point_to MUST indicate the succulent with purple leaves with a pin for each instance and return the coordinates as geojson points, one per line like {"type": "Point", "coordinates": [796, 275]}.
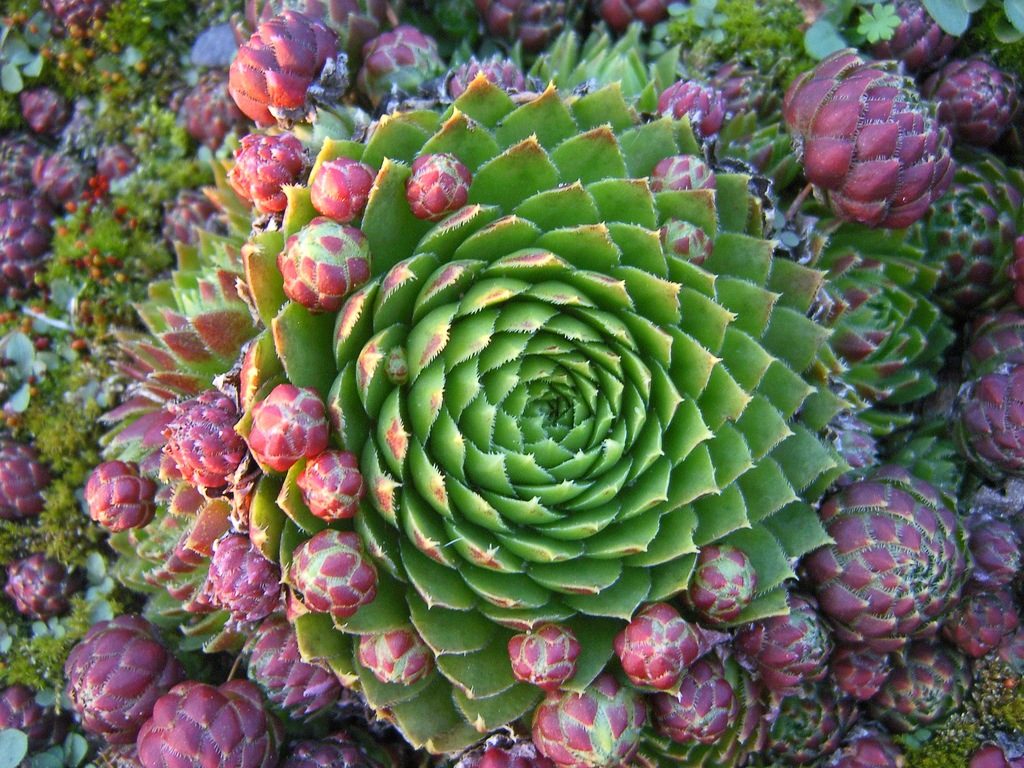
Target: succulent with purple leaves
{"type": "Point", "coordinates": [504, 73]}
{"type": "Point", "coordinates": [869, 144]}
{"type": "Point", "coordinates": [209, 112]}
{"type": "Point", "coordinates": [23, 480]}
{"type": "Point", "coordinates": [975, 99]}
{"type": "Point", "coordinates": [979, 622]}
{"type": "Point", "coordinates": [243, 580]}
{"type": "Point", "coordinates": [811, 724]}
{"type": "Point", "coordinates": [398, 656]}
{"type": "Point", "coordinates": [724, 583]}
{"type": "Point", "coordinates": [41, 587]}
{"type": "Point", "coordinates": [619, 14]}
{"type": "Point", "coordinates": [44, 110]}
{"type": "Point", "coordinates": [115, 675]}
{"type": "Point", "coordinates": [929, 680]}
{"type": "Point", "coordinates": [263, 166]}
{"type": "Point", "coordinates": [25, 234]}
{"type": "Point", "coordinates": [530, 22]}
{"type": "Point", "coordinates": [59, 178]}
{"type": "Point", "coordinates": [990, 423]}
{"type": "Point", "coordinates": [658, 645]}
{"type": "Point", "coordinates": [867, 748]}
{"type": "Point", "coordinates": [20, 711]}
{"type": "Point", "coordinates": [202, 443]}
{"type": "Point", "coordinates": [703, 105]}
{"type": "Point", "coordinates": [898, 562]}
{"type": "Point", "coordinates": [119, 497]}
{"type": "Point", "coordinates": [545, 656]}
{"type": "Point", "coordinates": [703, 708]}
{"type": "Point", "coordinates": [400, 60]}
{"type": "Point", "coordinates": [996, 550]}
{"type": "Point", "coordinates": [859, 672]}
{"type": "Point", "coordinates": [918, 42]}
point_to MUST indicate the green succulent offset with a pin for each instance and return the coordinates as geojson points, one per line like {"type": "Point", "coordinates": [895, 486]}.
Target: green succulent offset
{"type": "Point", "coordinates": [581, 412]}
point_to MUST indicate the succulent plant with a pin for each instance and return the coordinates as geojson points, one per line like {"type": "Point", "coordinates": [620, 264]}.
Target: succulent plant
{"type": "Point", "coordinates": [202, 443]}
{"type": "Point", "coordinates": [866, 748]}
{"type": "Point", "coordinates": [682, 172]}
{"type": "Point", "coordinates": [44, 110]}
{"type": "Point", "coordinates": [703, 105]}
{"type": "Point", "coordinates": [199, 724]}
{"type": "Point", "coordinates": [288, 425]}
{"type": "Point", "coordinates": [996, 551]}
{"type": "Point", "coordinates": [23, 480]}
{"type": "Point", "coordinates": [263, 166]}
{"type": "Point", "coordinates": [897, 564]}
{"type": "Point", "coordinates": [24, 240]}
{"type": "Point", "coordinates": [190, 212]}
{"type": "Point", "coordinates": [504, 73]}
{"type": "Point", "coordinates": [975, 99]}
{"type": "Point", "coordinates": [119, 497]}
{"type": "Point", "coordinates": [990, 427]}
{"type": "Point", "coordinates": [686, 240]}
{"type": "Point", "coordinates": [990, 756]}
{"type": "Point", "coordinates": [787, 651]}
{"type": "Point", "coordinates": [209, 112]}
{"type": "Point", "coordinates": [882, 164]}
{"type": "Point", "coordinates": [530, 22]}
{"type": "Point", "coordinates": [889, 335]}
{"type": "Point", "coordinates": [322, 264]}
{"type": "Point", "coordinates": [439, 185]}
{"type": "Point", "coordinates": [40, 587]}
{"type": "Point", "coordinates": [856, 443]}
{"type": "Point", "coordinates": [928, 681]}
{"type": "Point", "coordinates": [243, 580]}
{"type": "Point", "coordinates": [918, 42]}
{"type": "Point", "coordinates": [996, 342]}
{"type": "Point", "coordinates": [658, 645]}
{"type": "Point", "coordinates": [545, 656]}
{"type": "Point", "coordinates": [1011, 651]}
{"type": "Point", "coordinates": [597, 727]}
{"type": "Point", "coordinates": [115, 161]}
{"type": "Point", "coordinates": [619, 14]}
{"type": "Point", "coordinates": [439, 526]}
{"type": "Point", "coordinates": [300, 687]}
{"type": "Point", "coordinates": [979, 622]}
{"type": "Point", "coordinates": [859, 672]}
{"type": "Point", "coordinates": [289, 59]}
{"type": "Point", "coordinates": [332, 485]}
{"type": "Point", "coordinates": [18, 152]}
{"type": "Point", "coordinates": [810, 725]}
{"type": "Point", "coordinates": [339, 750]}
{"type": "Point", "coordinates": [929, 453]}
{"type": "Point", "coordinates": [969, 234]}
{"type": "Point", "coordinates": [724, 583]}
{"type": "Point", "coordinates": [115, 675]}
{"type": "Point", "coordinates": [396, 657]}
{"type": "Point", "coordinates": [20, 710]}
{"type": "Point", "coordinates": [59, 178]}
{"type": "Point", "coordinates": [703, 708]}
{"type": "Point", "coordinates": [400, 60]}
{"type": "Point", "coordinates": [77, 13]}
{"type": "Point", "coordinates": [342, 189]}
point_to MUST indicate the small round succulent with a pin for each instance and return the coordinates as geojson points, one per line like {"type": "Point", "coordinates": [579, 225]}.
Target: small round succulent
{"type": "Point", "coordinates": [545, 656]}
{"type": "Point", "coordinates": [856, 443]}
{"type": "Point", "coordinates": [273, 74]}
{"type": "Point", "coordinates": [897, 564]}
{"type": "Point", "coordinates": [20, 710]}
{"type": "Point", "coordinates": [40, 587]}
{"type": "Point", "coordinates": [686, 239]}
{"type": "Point", "coordinates": [59, 178]}
{"type": "Point", "coordinates": [504, 73]}
{"type": "Point", "coordinates": [918, 42]}
{"type": "Point", "coordinates": [682, 172]}
{"type": "Point", "coordinates": [996, 550]}
{"type": "Point", "coordinates": [119, 497]}
{"type": "Point", "coordinates": [990, 756]}
{"type": "Point", "coordinates": [189, 213]}
{"type": "Point", "coordinates": [703, 105]}
{"type": "Point", "coordinates": [976, 100]}
{"type": "Point", "coordinates": [810, 725]}
{"type": "Point", "coordinates": [18, 152]}
{"type": "Point", "coordinates": [658, 645]}
{"type": "Point", "coordinates": [263, 166]}
{"type": "Point", "coordinates": [619, 14]}
{"type": "Point", "coordinates": [859, 672]}
{"type": "Point", "coordinates": [23, 478]}
{"type": "Point", "coordinates": [787, 651]}
{"type": "Point", "coordinates": [882, 163]}
{"type": "Point", "coordinates": [397, 656]}
{"type": "Point", "coordinates": [243, 580]}
{"type": "Point", "coordinates": [290, 424]}
{"type": "Point", "coordinates": [301, 687]}
{"type": "Point", "coordinates": [703, 708]}
{"type": "Point", "coordinates": [997, 342]}
{"type": "Point", "coordinates": [530, 22]}
{"type": "Point", "coordinates": [338, 750]}
{"type": "Point", "coordinates": [115, 675]}
{"type": "Point", "coordinates": [341, 188]}
{"type": "Point", "coordinates": [867, 748]}
{"type": "Point", "coordinates": [332, 574]}
{"type": "Point", "coordinates": [598, 727]}
{"type": "Point", "coordinates": [25, 235]}
{"type": "Point", "coordinates": [438, 186]}
{"type": "Point", "coordinates": [332, 485]}
{"type": "Point", "coordinates": [402, 59]}
{"type": "Point", "coordinates": [990, 427]}
{"type": "Point", "coordinates": [723, 584]}
{"type": "Point", "coordinates": [979, 622]}
{"type": "Point", "coordinates": [202, 441]}
{"type": "Point", "coordinates": [323, 263]}
{"type": "Point", "coordinates": [199, 724]}
{"type": "Point", "coordinates": [209, 112]}
{"type": "Point", "coordinates": [929, 680]}
{"type": "Point", "coordinates": [45, 110]}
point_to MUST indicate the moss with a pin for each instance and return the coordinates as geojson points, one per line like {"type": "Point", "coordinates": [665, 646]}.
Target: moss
{"type": "Point", "coordinates": [982, 38]}
{"type": "Point", "coordinates": [767, 36]}
{"type": "Point", "coordinates": [943, 752]}
{"type": "Point", "coordinates": [10, 113]}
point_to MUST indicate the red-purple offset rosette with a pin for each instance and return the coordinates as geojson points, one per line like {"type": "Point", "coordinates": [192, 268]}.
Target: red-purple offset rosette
{"type": "Point", "coordinates": [702, 710]}
{"type": "Point", "coordinates": [202, 441]}
{"type": "Point", "coordinates": [243, 580]}
{"type": "Point", "coordinates": [119, 497]}
{"type": "Point", "coordinates": [990, 427]}
{"type": "Point", "coordinates": [504, 73]}
{"type": "Point", "coordinates": [341, 189]}
{"type": "Point", "coordinates": [332, 485]}
{"type": "Point", "coordinates": [918, 41]}
{"type": "Point", "coordinates": [290, 424]}
{"type": "Point", "coordinates": [332, 573]}
{"type": "Point", "coordinates": [723, 584]}
{"type": "Point", "coordinates": [288, 59]}
{"type": "Point", "coordinates": [23, 478]}
{"type": "Point", "coordinates": [703, 105]}
{"type": "Point", "coordinates": [25, 235]}
{"type": "Point", "coordinates": [438, 186]}
{"type": "Point", "coordinates": [544, 656]}
{"type": "Point", "coordinates": [619, 14]}
{"type": "Point", "coordinates": [40, 587]}
{"type": "Point", "coordinates": [980, 621]}
{"type": "Point", "coordinates": [265, 164]}
{"type": "Point", "coordinates": [397, 656]}
{"type": "Point", "coordinates": [323, 263]}
{"type": "Point", "coordinates": [928, 682]}
{"type": "Point", "coordinates": [869, 143]}
{"type": "Point", "coordinates": [976, 100]}
{"type": "Point", "coordinates": [115, 676]}
{"type": "Point", "coordinates": [658, 645]}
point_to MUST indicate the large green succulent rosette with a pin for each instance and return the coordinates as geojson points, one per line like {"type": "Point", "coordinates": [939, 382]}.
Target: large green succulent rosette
{"type": "Point", "coordinates": [581, 411]}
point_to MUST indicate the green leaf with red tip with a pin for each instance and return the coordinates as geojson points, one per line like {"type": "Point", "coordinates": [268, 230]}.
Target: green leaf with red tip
{"type": "Point", "coordinates": [544, 120]}
{"type": "Point", "coordinates": [388, 223]}
{"type": "Point", "coordinates": [521, 171]}
{"type": "Point", "coordinates": [304, 343]}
